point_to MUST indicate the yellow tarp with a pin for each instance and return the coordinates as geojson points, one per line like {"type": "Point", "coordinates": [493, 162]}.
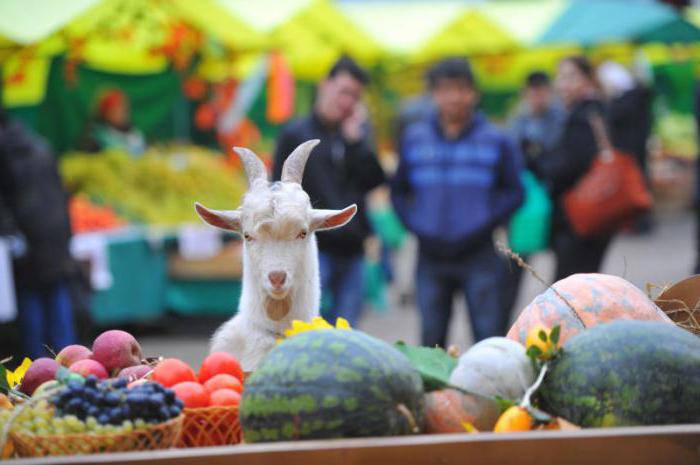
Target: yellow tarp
{"type": "Point", "coordinates": [471, 33]}
{"type": "Point", "coordinates": [401, 28]}
{"type": "Point", "coordinates": [24, 80]}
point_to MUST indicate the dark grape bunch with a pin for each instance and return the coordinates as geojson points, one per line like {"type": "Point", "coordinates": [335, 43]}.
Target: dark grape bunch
{"type": "Point", "coordinates": [112, 403]}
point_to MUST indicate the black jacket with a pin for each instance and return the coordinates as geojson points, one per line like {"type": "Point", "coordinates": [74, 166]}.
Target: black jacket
{"type": "Point", "coordinates": [33, 203]}
{"type": "Point", "coordinates": [629, 116]}
{"type": "Point", "coordinates": [562, 167]}
{"type": "Point", "coordinates": [337, 175]}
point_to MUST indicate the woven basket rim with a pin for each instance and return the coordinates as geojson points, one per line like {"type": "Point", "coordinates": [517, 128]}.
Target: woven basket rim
{"type": "Point", "coordinates": [210, 408]}
{"type": "Point", "coordinates": [77, 436]}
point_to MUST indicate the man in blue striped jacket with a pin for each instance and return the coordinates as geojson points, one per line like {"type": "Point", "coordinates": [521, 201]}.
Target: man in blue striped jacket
{"type": "Point", "coordinates": [457, 180]}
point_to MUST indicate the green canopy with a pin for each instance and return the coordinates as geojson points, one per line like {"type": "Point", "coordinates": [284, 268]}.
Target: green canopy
{"type": "Point", "coordinates": [592, 22]}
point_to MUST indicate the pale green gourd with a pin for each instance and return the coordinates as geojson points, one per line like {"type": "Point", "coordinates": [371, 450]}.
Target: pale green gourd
{"type": "Point", "coordinates": [496, 366]}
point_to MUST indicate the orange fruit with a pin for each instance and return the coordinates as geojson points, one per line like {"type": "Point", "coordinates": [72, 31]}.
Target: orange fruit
{"type": "Point", "coordinates": [192, 394]}
{"type": "Point", "coordinates": [223, 381]}
{"type": "Point", "coordinates": [172, 371]}
{"type": "Point", "coordinates": [225, 397]}
{"type": "Point", "coordinates": [218, 363]}
{"type": "Point", "coordinates": [514, 419]}
{"type": "Point", "coordinates": [5, 401]}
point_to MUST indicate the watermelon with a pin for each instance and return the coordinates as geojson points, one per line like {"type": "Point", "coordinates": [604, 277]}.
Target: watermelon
{"type": "Point", "coordinates": [332, 384]}
{"type": "Point", "coordinates": [626, 373]}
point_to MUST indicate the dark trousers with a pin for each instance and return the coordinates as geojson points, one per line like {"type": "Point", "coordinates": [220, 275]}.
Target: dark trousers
{"type": "Point", "coordinates": [342, 282]}
{"type": "Point", "coordinates": [479, 276]}
{"type": "Point", "coordinates": [45, 317]}
{"type": "Point", "coordinates": [578, 255]}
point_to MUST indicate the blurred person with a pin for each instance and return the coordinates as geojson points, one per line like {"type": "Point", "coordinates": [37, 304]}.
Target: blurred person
{"type": "Point", "coordinates": [629, 118]}
{"type": "Point", "coordinates": [458, 178]}
{"type": "Point", "coordinates": [536, 126]}
{"type": "Point", "coordinates": [35, 209]}
{"type": "Point", "coordinates": [535, 129]}
{"type": "Point", "coordinates": [111, 128]}
{"type": "Point", "coordinates": [411, 110]}
{"type": "Point", "coordinates": [342, 170]}
{"type": "Point", "coordinates": [570, 159]}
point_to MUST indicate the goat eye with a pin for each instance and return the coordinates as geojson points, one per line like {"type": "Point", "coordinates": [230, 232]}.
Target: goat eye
{"type": "Point", "coordinates": [247, 237]}
{"type": "Point", "coordinates": [301, 235]}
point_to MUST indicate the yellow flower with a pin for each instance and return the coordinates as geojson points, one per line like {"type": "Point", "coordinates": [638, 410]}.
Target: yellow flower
{"type": "Point", "coordinates": [317, 323]}
{"type": "Point", "coordinates": [15, 377]}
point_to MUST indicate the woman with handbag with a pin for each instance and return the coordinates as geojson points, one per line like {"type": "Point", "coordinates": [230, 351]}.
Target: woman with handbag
{"type": "Point", "coordinates": [572, 157]}
{"type": "Point", "coordinates": [596, 188]}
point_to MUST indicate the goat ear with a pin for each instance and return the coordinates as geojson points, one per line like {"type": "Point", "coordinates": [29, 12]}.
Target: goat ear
{"type": "Point", "coordinates": [229, 220]}
{"type": "Point", "coordinates": [322, 220]}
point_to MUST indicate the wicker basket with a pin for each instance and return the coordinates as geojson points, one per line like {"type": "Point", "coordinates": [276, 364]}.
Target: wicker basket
{"type": "Point", "coordinates": [210, 426]}
{"type": "Point", "coordinates": [160, 436]}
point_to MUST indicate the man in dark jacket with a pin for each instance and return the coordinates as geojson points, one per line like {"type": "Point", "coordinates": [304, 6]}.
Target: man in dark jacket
{"type": "Point", "coordinates": [35, 205]}
{"type": "Point", "coordinates": [342, 170]}
{"type": "Point", "coordinates": [458, 178]}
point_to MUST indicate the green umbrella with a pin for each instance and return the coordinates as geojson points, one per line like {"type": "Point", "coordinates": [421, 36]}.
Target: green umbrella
{"type": "Point", "coordinates": [592, 22]}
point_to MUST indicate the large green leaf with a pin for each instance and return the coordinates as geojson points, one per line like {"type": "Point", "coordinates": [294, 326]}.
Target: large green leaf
{"type": "Point", "coordinates": [433, 364]}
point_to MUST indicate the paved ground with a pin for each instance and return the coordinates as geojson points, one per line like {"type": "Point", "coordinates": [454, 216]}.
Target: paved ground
{"type": "Point", "coordinates": [665, 256]}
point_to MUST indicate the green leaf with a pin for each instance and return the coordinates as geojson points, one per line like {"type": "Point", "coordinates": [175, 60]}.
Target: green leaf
{"type": "Point", "coordinates": [4, 385]}
{"type": "Point", "coordinates": [554, 335]}
{"type": "Point", "coordinates": [433, 365]}
{"type": "Point", "coordinates": [542, 335]}
{"type": "Point", "coordinates": [504, 404]}
{"type": "Point", "coordinates": [533, 352]}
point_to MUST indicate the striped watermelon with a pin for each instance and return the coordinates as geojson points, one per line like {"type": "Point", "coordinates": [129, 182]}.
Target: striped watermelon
{"type": "Point", "coordinates": [332, 384]}
{"type": "Point", "coordinates": [626, 373]}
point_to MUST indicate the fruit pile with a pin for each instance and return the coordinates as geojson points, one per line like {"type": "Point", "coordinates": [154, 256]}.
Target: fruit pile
{"type": "Point", "coordinates": [159, 187]}
{"type": "Point", "coordinates": [219, 382]}
{"type": "Point", "coordinates": [113, 403]}
{"type": "Point", "coordinates": [85, 216]}
{"type": "Point", "coordinates": [96, 407]}
{"type": "Point", "coordinates": [114, 353]}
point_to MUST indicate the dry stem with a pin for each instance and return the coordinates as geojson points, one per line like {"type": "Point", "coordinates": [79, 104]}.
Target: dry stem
{"type": "Point", "coordinates": [522, 264]}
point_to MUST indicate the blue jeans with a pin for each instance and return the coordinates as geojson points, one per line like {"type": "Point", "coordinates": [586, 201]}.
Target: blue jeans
{"type": "Point", "coordinates": [480, 276]}
{"type": "Point", "coordinates": [45, 317]}
{"type": "Point", "coordinates": [342, 286]}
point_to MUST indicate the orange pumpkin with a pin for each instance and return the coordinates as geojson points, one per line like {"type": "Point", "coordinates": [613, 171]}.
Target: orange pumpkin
{"type": "Point", "coordinates": [447, 410]}
{"type": "Point", "coordinates": [596, 298]}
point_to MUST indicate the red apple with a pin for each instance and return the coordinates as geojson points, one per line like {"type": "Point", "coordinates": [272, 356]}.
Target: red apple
{"type": "Point", "coordinates": [116, 349]}
{"type": "Point", "coordinates": [89, 367]}
{"type": "Point", "coordinates": [135, 372]}
{"type": "Point", "coordinates": [73, 353]}
{"type": "Point", "coordinates": [41, 370]}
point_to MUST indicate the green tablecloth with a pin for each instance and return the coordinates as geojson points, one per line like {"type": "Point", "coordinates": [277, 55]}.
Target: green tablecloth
{"type": "Point", "coordinates": [142, 291]}
{"type": "Point", "coordinates": [139, 278]}
{"type": "Point", "coordinates": [208, 297]}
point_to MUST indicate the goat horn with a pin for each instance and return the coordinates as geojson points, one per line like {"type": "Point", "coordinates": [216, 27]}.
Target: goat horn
{"type": "Point", "coordinates": [254, 167]}
{"type": "Point", "coordinates": [293, 169]}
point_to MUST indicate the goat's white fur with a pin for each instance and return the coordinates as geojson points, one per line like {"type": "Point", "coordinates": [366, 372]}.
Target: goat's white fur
{"type": "Point", "coordinates": [273, 219]}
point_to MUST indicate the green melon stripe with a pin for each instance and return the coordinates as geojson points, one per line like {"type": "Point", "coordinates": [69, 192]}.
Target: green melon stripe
{"type": "Point", "coordinates": [627, 373]}
{"type": "Point", "coordinates": [330, 384]}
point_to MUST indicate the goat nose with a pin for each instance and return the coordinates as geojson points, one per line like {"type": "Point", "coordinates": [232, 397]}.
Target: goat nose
{"type": "Point", "coordinates": [277, 278]}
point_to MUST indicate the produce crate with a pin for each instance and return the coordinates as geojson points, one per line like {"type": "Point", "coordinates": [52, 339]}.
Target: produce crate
{"type": "Point", "coordinates": [654, 445]}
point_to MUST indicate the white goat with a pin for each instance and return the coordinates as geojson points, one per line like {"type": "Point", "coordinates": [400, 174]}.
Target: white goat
{"type": "Point", "coordinates": [280, 258]}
